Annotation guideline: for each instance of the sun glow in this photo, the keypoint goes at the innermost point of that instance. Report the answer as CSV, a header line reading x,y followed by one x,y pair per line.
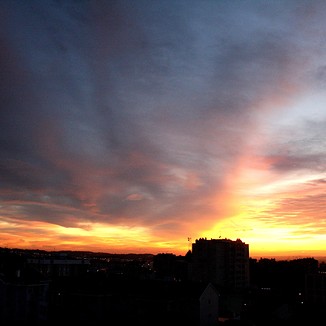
x,y
32,234
93,237
267,238
275,215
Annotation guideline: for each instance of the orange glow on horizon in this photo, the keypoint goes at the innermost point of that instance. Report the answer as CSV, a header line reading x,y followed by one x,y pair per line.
x,y
98,237
268,213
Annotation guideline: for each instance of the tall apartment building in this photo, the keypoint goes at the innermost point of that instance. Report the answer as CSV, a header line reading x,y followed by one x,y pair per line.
x,y
221,261
315,288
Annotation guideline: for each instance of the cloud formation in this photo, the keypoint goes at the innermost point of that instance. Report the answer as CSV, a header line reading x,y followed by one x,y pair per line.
x,y
141,114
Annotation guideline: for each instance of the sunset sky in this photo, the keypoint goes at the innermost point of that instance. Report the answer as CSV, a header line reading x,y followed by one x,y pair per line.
x,y
131,126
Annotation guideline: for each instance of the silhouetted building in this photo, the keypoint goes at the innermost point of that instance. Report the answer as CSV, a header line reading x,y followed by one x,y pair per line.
x,y
24,293
221,261
24,302
170,267
286,292
141,302
54,267
284,275
315,288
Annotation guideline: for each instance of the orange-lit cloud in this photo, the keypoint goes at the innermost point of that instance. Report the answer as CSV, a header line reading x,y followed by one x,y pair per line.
x,y
135,127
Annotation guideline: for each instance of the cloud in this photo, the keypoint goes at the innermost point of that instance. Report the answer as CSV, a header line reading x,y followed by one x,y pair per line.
x,y
297,147
299,208
124,112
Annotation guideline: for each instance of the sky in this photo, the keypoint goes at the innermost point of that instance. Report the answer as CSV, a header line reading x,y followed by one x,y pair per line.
x,y
141,126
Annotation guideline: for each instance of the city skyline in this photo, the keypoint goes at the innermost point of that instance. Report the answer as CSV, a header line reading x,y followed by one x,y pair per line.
x,y
134,126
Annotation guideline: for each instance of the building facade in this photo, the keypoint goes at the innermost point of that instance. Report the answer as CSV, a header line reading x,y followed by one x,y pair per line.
x,y
315,288
23,300
221,261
